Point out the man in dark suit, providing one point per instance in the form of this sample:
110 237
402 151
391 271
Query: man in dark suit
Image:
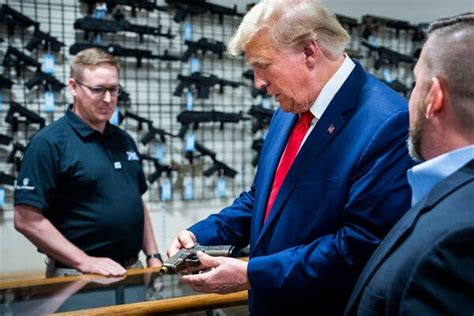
425 265
311 223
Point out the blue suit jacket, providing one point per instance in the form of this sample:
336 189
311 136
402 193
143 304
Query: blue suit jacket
425 265
344 191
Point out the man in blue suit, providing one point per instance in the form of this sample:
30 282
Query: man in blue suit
425 265
311 223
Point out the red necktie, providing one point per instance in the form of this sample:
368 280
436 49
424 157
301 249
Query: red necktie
294 143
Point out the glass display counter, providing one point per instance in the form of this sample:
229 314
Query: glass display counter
142 291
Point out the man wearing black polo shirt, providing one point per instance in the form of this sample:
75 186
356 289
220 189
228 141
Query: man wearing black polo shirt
78 196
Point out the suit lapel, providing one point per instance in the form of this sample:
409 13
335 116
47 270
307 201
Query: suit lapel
325 130
400 230
268 168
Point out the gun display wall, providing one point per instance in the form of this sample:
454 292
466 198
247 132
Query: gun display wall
199 122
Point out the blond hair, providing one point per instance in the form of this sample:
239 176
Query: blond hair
292 23
91 57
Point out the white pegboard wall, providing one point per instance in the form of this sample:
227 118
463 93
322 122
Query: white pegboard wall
150 88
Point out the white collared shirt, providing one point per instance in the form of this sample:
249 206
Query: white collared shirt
328 92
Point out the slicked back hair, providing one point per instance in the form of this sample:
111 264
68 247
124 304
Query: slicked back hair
292 23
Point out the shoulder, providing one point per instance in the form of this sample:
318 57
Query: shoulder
382 111
380 97
454 196
53 134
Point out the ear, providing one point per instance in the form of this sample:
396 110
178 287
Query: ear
72 85
311 51
435 98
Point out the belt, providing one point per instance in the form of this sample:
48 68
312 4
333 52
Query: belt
124 262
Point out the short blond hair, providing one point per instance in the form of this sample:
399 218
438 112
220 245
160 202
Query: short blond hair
292 23
91 57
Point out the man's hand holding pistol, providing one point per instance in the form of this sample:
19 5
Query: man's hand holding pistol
218 273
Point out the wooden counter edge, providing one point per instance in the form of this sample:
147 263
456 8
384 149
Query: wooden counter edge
171 305
35 281
11 284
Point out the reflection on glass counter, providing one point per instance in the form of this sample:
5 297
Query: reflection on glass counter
84 292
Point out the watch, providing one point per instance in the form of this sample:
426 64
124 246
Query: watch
154 255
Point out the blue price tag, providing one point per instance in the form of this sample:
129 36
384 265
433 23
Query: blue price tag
48 63
190 140
387 75
266 103
165 188
220 190
49 101
195 65
189 100
114 119
187 31
100 10
160 152
2 196
373 40
188 185
97 39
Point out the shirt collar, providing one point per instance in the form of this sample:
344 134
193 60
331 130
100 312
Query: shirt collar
332 87
81 127
425 176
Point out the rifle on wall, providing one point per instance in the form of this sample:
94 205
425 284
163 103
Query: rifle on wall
18 60
12 18
116 50
203 84
186 118
204 45
148 5
186 8
29 117
90 24
42 38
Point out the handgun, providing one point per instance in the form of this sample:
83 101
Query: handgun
187 258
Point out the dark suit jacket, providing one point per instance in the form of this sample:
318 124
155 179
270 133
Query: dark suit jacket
345 190
425 266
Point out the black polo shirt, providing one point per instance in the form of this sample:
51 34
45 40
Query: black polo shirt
88 184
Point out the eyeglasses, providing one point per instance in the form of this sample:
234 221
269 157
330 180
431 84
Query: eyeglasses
100 91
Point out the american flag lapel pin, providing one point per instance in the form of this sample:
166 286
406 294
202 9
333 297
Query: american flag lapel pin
331 128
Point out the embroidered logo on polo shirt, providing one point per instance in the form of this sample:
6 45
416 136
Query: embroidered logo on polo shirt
132 155
25 185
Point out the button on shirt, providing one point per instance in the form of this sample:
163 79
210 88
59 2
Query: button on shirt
423 177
